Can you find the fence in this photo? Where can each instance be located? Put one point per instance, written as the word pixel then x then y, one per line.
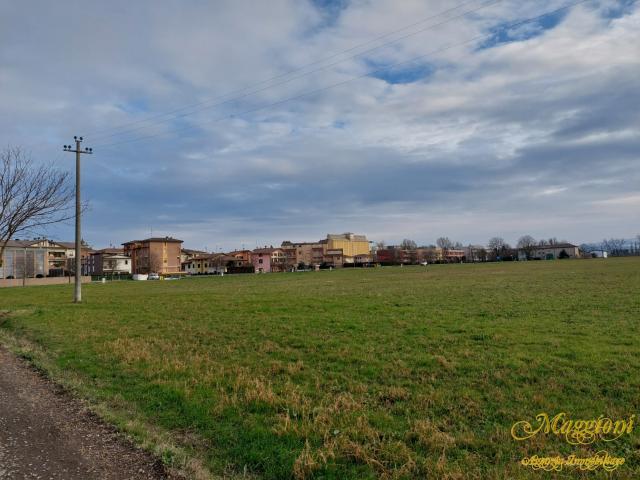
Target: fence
pixel 29 282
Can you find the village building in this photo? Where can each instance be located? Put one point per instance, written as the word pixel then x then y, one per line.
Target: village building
pixel 40 257
pixel 210 264
pixel 107 261
pixel 551 252
pixel 159 255
pixel 267 260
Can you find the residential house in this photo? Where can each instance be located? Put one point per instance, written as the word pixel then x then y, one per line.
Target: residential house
pixel 24 258
pixel 267 260
pixel 188 254
pixel 70 254
pixel 155 255
pixel 303 253
pixel 107 261
pixel 40 257
pixel 475 253
pixel 243 257
pixel 363 259
pixel 350 244
pixel 551 252
pixel 452 255
pixel 209 264
pixel 333 258
pixel 394 255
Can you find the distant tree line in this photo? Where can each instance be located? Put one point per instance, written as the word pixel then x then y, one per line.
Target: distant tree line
pixel 497 249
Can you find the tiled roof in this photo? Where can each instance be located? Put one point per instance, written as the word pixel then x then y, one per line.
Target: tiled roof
pixel 155 239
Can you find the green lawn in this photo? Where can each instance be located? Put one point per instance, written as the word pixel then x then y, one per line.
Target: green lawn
pixel 391 372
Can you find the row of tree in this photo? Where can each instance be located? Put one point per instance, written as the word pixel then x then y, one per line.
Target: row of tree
pixel 498 249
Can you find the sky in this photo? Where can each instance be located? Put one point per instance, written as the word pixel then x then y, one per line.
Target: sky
pixel 237 123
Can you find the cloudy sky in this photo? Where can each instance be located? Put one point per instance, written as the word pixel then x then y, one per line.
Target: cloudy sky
pixel 236 122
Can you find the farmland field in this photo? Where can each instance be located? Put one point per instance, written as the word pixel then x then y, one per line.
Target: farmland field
pixel 390 372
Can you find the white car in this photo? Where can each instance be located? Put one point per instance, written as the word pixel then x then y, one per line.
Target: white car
pixel 153 276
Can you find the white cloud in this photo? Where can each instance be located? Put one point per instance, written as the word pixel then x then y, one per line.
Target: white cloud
pixel 484 146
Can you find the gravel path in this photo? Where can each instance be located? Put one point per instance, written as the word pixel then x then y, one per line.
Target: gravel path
pixel 45 434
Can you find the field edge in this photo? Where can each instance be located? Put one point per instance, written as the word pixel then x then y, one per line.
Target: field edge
pixel 179 461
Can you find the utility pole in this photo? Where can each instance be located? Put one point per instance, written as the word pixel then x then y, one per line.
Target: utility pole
pixel 77 294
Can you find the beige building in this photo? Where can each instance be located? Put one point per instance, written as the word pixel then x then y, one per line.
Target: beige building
pixel 335 250
pixel 307 253
pixel 188 254
pixel 40 257
pixel 160 255
pixel 108 261
pixel 350 244
pixel 210 264
pixel 553 252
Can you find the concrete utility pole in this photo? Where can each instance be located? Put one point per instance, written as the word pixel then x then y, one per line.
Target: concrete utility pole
pixel 77 294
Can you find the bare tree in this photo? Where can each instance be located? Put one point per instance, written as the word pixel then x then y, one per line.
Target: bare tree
pixel 527 244
pixel 615 246
pixel 496 244
pixel 444 243
pixel 408 244
pixel 155 263
pixel 31 196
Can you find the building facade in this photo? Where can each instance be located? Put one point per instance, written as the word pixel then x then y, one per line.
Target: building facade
pixel 107 261
pixel 267 260
pixel 40 257
pixel 552 252
pixel 303 253
pixel 160 255
pixel 350 244
pixel 210 264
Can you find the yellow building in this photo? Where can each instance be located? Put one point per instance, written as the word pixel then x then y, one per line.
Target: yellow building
pixel 350 244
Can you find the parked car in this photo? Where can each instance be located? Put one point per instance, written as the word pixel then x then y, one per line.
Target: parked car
pixel 153 276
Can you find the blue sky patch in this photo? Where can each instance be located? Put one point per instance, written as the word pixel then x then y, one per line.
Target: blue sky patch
pixel 401 74
pixel 502 34
pixel 331 9
pixel 624 7
pixel 135 105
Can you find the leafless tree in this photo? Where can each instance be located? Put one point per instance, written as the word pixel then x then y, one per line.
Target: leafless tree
pixel 444 243
pixel 155 263
pixel 496 244
pixel 408 244
pixel 527 244
pixel 615 246
pixel 498 247
pixel 31 196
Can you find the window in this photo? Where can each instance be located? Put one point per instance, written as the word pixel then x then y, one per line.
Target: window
pixel 260 261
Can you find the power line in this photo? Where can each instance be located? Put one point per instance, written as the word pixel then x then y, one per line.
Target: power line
pixel 355 47
pixel 343 82
pixel 191 109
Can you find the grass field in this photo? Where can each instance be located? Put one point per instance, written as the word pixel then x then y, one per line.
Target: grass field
pixel 390 372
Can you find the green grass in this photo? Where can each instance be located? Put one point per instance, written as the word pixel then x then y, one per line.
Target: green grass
pixel 390 372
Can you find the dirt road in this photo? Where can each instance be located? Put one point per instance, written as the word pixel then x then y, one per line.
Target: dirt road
pixel 45 434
